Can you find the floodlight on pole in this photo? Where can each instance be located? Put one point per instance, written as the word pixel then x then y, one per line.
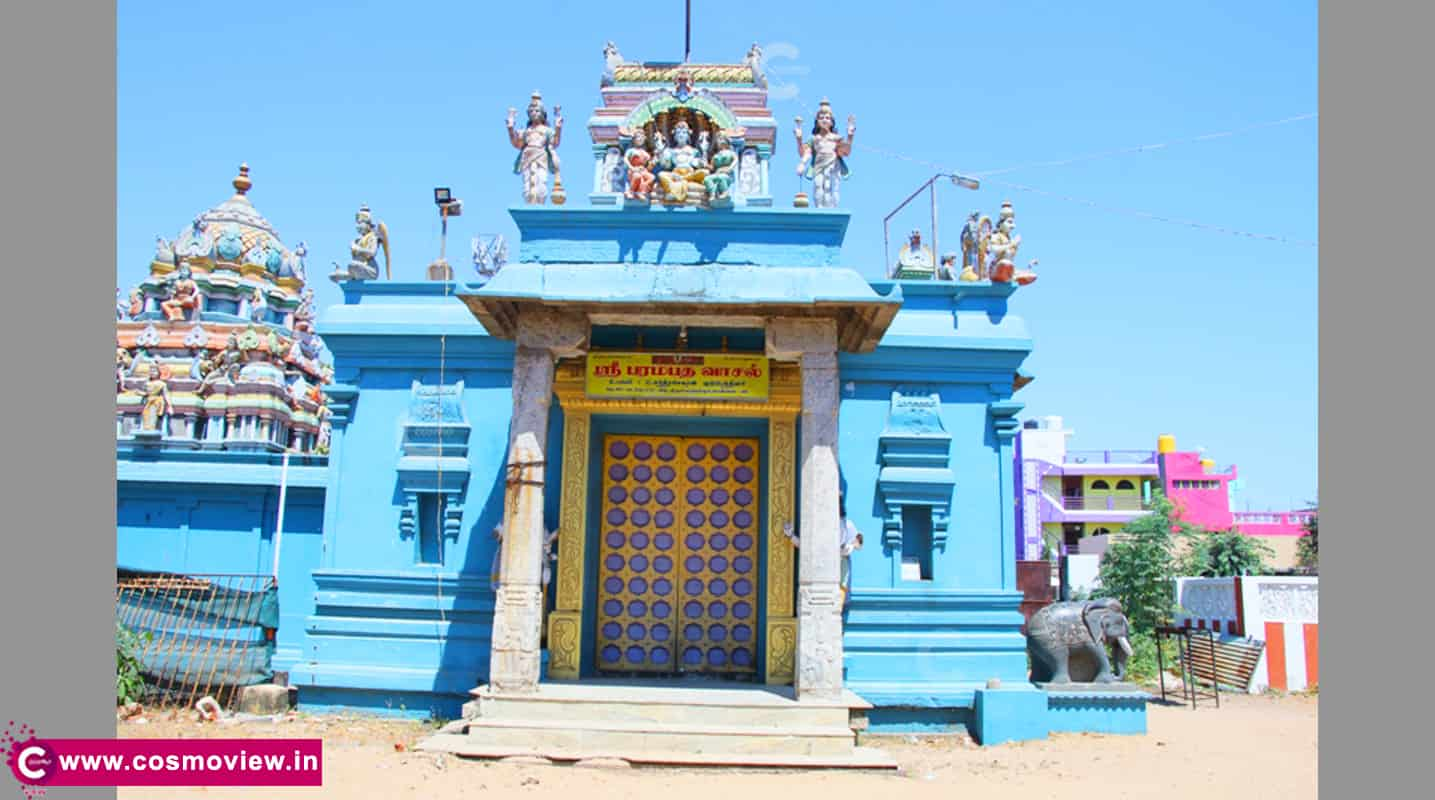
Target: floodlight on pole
pixel 448 206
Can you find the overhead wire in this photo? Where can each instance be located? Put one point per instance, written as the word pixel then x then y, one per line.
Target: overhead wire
pixel 1148 215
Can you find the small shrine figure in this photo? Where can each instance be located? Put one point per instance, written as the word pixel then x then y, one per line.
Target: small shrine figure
pixel 163 251
pixel 537 146
pixel 680 166
pixel 293 266
pixel 156 401
pixel 304 314
pixel 973 246
pixel 136 302
pixel 196 242
pixel 200 366
pixel 1002 245
pixel 914 260
pixel 724 166
pixel 321 444
pixel 612 59
pixel 850 542
pixel 183 295
pixel 753 61
pixel 258 305
pixel 364 250
pixel 120 304
pixel 948 270
pixel 639 162
pixel 124 362
pixel 822 159
pixel 614 176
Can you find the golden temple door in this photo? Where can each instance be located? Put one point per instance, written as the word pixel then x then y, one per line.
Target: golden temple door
pixel 677 572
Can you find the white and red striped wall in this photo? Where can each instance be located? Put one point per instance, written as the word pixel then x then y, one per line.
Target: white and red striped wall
pixel 1282 612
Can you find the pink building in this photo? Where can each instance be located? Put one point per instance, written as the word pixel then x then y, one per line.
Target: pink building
pixel 1074 500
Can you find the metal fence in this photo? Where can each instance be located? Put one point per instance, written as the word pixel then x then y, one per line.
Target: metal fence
pixel 198 635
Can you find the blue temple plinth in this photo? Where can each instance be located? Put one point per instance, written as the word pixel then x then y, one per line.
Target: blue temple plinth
pixel 1112 708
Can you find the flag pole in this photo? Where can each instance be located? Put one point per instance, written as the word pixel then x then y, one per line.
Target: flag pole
pixel 687 29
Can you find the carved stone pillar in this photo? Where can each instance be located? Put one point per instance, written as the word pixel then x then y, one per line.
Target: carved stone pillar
pixel 518 613
pixel 819 596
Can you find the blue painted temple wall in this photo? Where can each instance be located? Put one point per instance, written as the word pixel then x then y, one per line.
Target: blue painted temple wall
pixel 364 624
pixel 215 528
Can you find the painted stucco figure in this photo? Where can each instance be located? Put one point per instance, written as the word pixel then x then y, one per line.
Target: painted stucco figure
pixel 183 296
pixel 724 166
pixel 823 158
pixel 364 250
pixel 1067 642
pixel 156 401
pixel 915 260
pixel 639 162
pixel 680 166
pixel 1002 246
pixel 537 148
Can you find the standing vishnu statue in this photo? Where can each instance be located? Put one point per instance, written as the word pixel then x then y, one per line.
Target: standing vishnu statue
pixel 822 159
pixel 538 151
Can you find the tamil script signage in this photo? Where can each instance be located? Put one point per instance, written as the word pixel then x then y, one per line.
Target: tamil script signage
pixel 677 375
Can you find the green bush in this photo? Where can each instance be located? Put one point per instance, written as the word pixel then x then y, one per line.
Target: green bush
pixel 129 682
pixel 1224 554
pixel 1140 568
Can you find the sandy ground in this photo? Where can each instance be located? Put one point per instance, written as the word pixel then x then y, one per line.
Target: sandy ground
pixel 1251 747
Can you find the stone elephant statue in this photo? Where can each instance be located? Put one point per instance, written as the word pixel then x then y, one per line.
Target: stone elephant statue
pixel 1067 642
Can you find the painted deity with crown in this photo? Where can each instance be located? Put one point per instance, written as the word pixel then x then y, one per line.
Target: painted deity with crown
pixel 537 146
pixel 680 166
pixel 823 158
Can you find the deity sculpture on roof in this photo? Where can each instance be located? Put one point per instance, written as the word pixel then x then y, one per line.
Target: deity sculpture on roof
pixel 1002 245
pixel 915 260
pixel 364 250
pixel 196 240
pixel 974 235
pixel 680 166
pixel 156 401
pixel 230 245
pixel 724 166
pixel 822 159
pixel 538 151
pixel 183 295
pixel 639 162
pixel 293 266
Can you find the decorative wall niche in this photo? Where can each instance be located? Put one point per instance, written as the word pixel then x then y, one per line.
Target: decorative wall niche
pixel 916 481
pixel 433 469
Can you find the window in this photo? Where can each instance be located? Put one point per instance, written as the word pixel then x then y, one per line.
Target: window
pixel 916 543
pixel 1124 485
pixel 1100 486
pixel 430 544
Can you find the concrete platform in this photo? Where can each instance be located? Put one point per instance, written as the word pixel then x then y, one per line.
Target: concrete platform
pixel 674 722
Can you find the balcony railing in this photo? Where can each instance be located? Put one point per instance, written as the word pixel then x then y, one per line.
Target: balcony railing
pixel 1110 457
pixel 1297 518
pixel 1105 503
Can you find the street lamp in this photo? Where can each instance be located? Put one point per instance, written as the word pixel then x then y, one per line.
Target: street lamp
pixel 448 206
pixel 957 180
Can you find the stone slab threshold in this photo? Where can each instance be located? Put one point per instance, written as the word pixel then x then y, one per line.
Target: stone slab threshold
pixel 858 758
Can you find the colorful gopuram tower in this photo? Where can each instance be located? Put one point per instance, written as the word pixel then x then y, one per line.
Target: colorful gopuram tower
pixel 216 348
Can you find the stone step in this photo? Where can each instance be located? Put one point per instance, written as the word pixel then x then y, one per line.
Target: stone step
pixel 555 738
pixel 855 758
pixel 672 712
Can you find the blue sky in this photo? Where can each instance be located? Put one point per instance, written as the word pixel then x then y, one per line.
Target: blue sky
pixel 1141 327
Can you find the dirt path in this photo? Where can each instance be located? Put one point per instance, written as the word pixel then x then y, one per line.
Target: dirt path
pixel 1252 748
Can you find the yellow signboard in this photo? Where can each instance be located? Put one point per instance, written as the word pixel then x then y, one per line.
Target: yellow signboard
pixel 690 375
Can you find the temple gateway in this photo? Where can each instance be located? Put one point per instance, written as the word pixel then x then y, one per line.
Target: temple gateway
pixel 676 480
